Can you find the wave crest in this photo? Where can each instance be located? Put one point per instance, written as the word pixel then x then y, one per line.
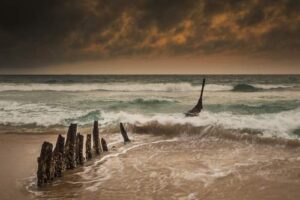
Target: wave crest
pixel 118 87
pixel 136 87
pixel 175 130
pixel 258 87
pixel 245 88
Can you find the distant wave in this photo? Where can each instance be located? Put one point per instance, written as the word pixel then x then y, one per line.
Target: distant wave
pixel 255 107
pixel 258 87
pixel 150 101
pixel 245 88
pixel 135 87
pixel 128 87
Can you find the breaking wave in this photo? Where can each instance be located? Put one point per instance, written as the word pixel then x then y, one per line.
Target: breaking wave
pixel 150 101
pixel 245 88
pixel 255 108
pixel 258 87
pixel 129 87
pixel 135 87
pixel 276 124
pixel 279 124
pixel 199 132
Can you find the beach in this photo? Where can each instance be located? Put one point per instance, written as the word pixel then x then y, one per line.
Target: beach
pixel 159 167
pixel 243 145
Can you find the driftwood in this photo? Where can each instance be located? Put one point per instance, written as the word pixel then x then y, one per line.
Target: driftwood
pixel 71 147
pixel 79 149
pixel 198 107
pixel 124 133
pixel 45 171
pixel 97 147
pixel 104 144
pixel 88 147
pixel 59 156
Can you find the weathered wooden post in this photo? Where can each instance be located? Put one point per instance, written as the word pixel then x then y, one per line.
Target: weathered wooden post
pixel 45 171
pixel 59 156
pixel 124 133
pixel 88 147
pixel 96 139
pixel 198 107
pixel 79 149
pixel 71 147
pixel 104 144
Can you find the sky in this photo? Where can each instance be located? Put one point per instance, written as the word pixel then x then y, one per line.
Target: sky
pixel 150 37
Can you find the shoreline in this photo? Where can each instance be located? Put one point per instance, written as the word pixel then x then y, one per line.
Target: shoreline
pixel 201 154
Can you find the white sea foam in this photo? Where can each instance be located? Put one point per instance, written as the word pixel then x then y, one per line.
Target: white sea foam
pixel 16 113
pixel 275 124
pixel 130 87
pixel 272 86
pixel 271 124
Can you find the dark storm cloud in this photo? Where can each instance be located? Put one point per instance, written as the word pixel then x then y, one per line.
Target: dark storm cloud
pixel 36 32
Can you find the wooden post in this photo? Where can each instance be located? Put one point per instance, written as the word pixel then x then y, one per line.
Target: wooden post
pixel 104 144
pixel 88 147
pixel 198 107
pixel 71 147
pixel 59 156
pixel 45 171
pixel 124 133
pixel 79 149
pixel 96 139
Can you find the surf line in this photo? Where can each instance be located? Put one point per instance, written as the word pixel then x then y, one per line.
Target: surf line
pixel 69 155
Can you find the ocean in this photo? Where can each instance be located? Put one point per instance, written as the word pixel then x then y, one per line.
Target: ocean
pixel 264 104
pixel 243 145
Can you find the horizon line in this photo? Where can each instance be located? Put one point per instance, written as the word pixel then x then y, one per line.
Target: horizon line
pixel 154 74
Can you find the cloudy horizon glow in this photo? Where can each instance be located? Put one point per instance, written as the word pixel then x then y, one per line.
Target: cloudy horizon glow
pixel 149 37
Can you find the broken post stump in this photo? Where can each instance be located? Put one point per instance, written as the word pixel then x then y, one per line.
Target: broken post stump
pixel 88 147
pixel 104 144
pixel 79 149
pixel 96 139
pixel 59 156
pixel 45 171
pixel 124 133
pixel 198 107
pixel 70 147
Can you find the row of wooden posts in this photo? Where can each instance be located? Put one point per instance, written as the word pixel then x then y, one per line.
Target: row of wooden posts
pixel 68 155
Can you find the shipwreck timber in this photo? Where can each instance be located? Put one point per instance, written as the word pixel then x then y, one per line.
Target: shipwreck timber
pixel 198 107
pixel 68 155
pixel 124 134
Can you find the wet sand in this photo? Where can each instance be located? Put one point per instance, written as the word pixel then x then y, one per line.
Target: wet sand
pixel 18 155
pixel 158 167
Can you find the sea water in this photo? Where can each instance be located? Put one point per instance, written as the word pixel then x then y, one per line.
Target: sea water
pixel 170 156
pixel 269 104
